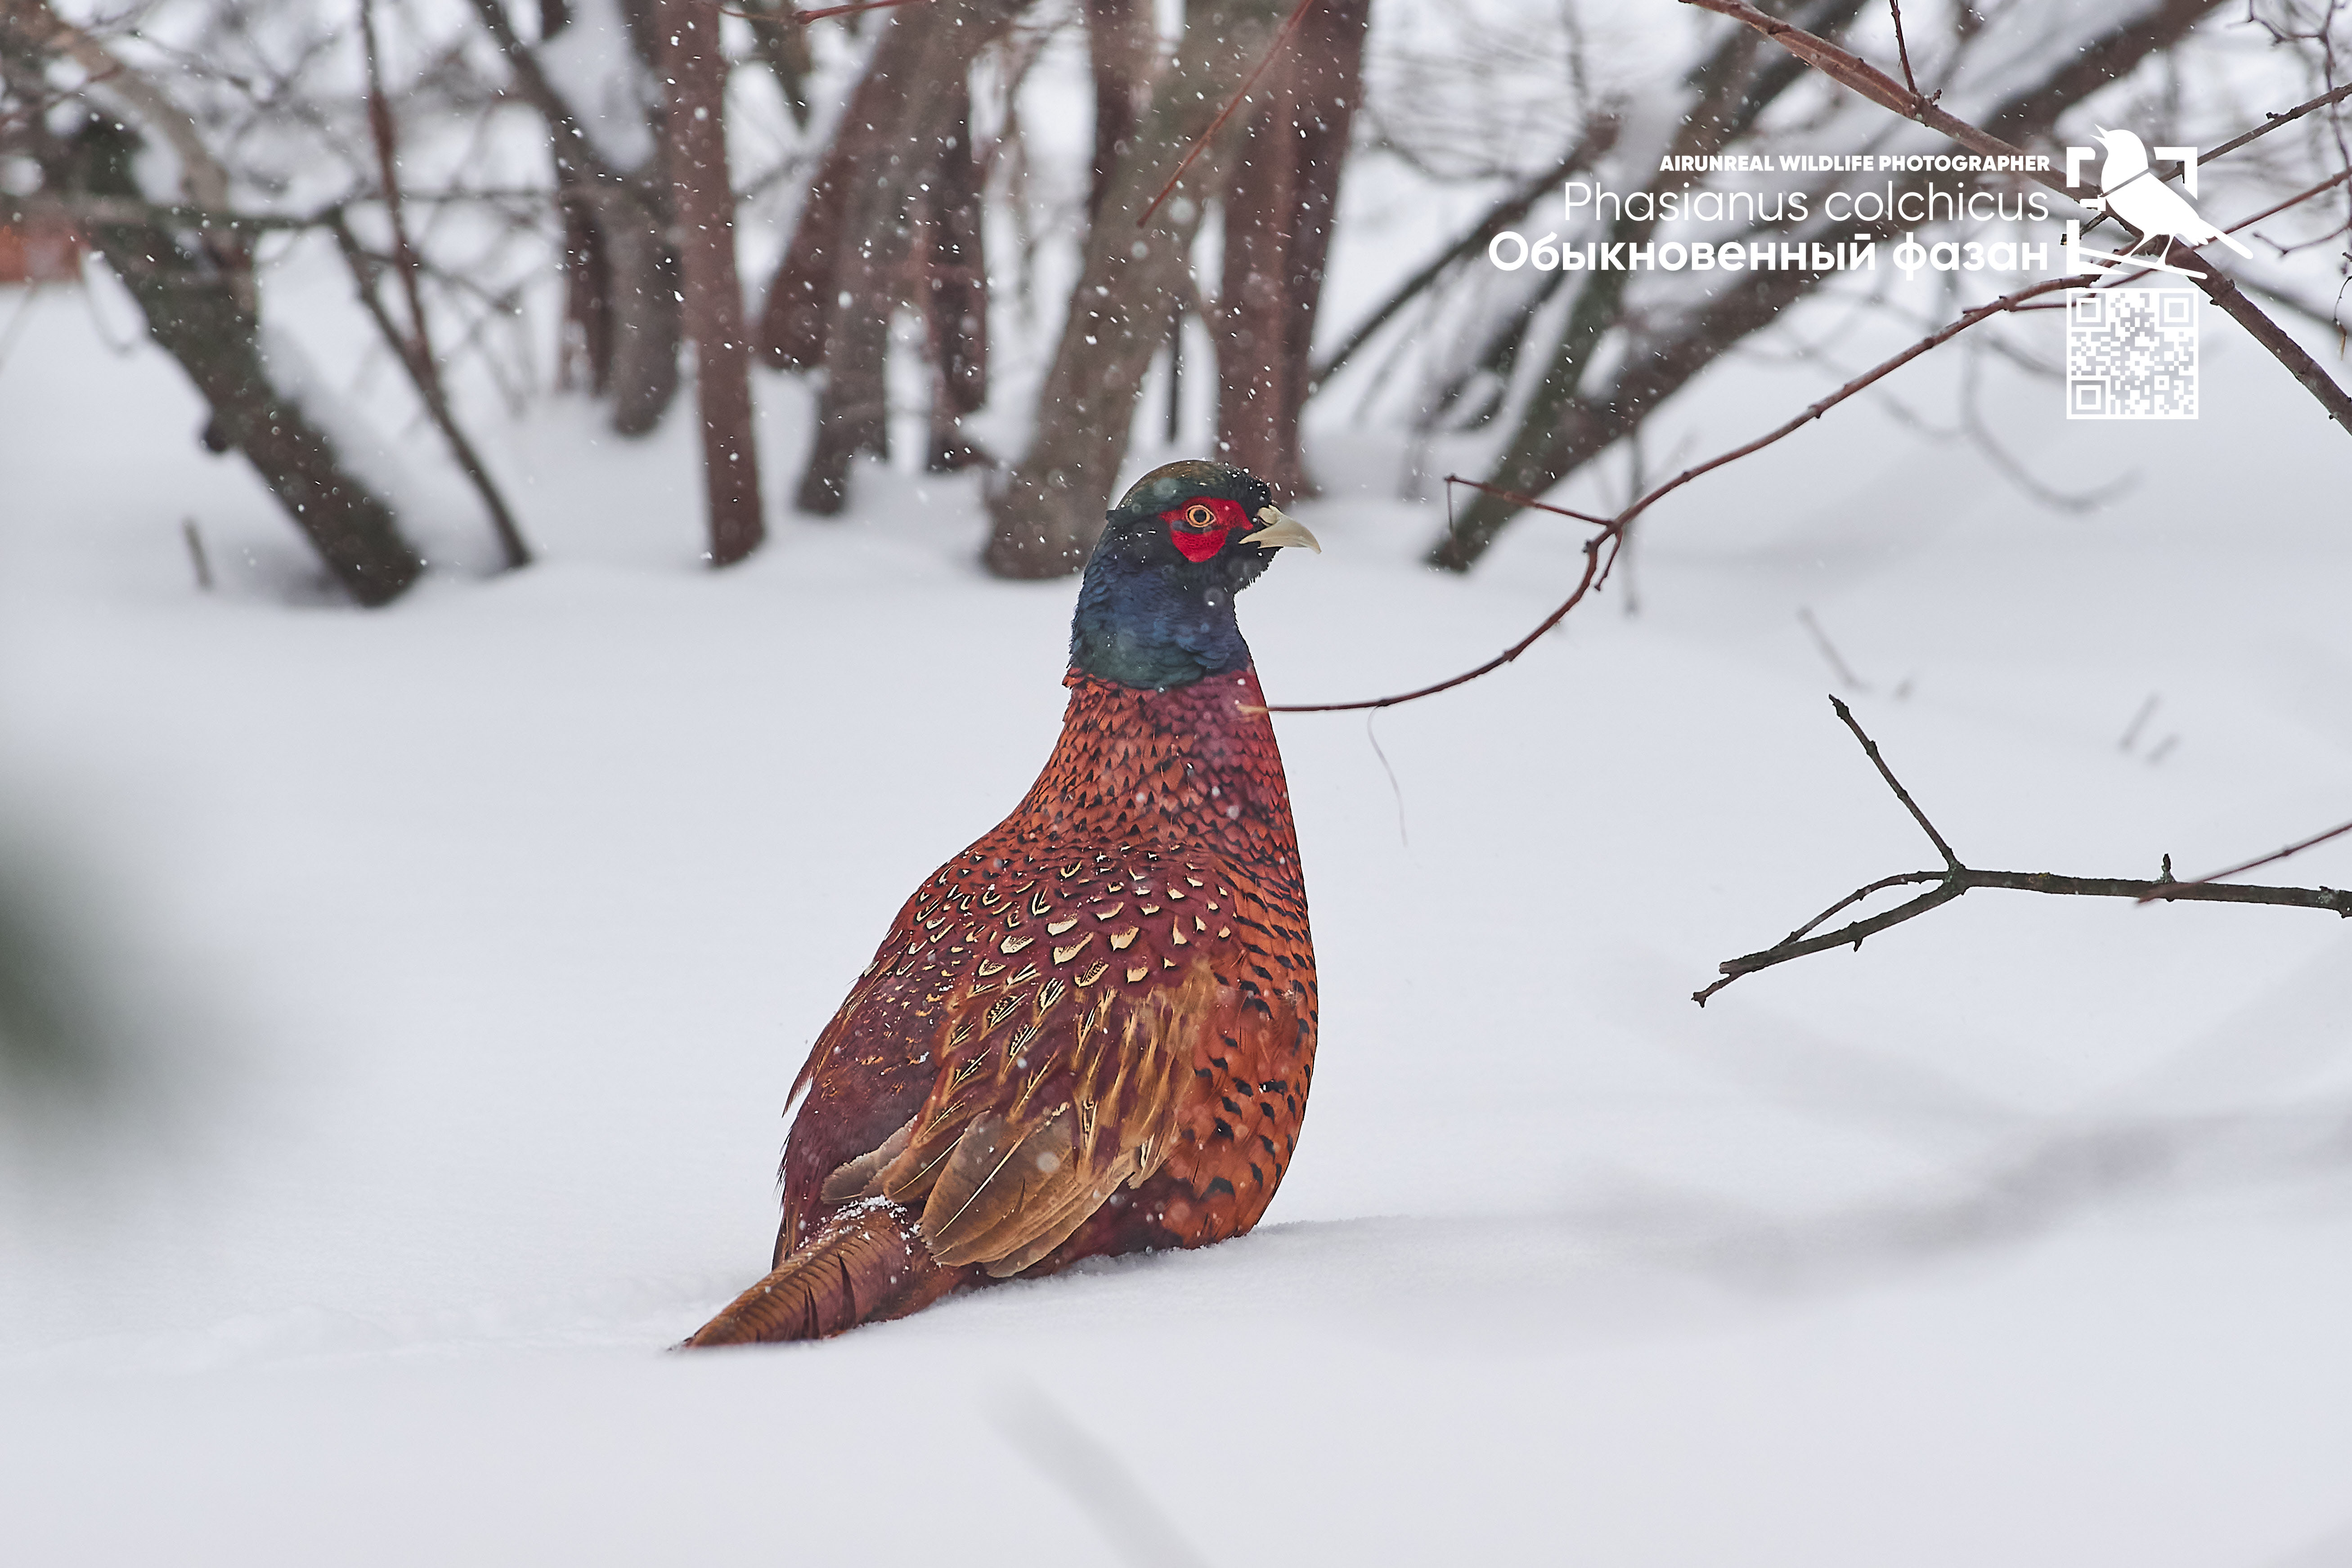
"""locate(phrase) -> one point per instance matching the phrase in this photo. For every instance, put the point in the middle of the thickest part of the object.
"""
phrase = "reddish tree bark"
(1123, 49)
(1048, 511)
(1278, 210)
(621, 273)
(586, 355)
(952, 283)
(196, 291)
(800, 297)
(912, 107)
(695, 145)
(207, 319)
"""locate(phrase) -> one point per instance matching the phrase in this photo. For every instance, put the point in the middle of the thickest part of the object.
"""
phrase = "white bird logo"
(2129, 189)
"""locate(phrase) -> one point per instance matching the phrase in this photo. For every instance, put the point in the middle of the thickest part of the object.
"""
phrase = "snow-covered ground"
(473, 944)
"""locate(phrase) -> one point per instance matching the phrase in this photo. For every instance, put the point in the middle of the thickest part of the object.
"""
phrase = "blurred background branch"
(1544, 370)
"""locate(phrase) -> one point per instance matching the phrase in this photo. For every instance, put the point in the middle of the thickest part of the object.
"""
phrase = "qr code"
(2131, 353)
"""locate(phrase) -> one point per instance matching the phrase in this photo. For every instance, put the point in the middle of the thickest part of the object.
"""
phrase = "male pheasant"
(1093, 1032)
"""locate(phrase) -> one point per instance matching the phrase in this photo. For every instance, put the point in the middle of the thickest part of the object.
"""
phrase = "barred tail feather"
(867, 1265)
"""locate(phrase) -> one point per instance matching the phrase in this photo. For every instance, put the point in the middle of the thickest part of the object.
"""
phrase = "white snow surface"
(474, 942)
(592, 64)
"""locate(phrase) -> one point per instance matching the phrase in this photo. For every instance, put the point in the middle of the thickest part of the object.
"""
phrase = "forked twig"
(1956, 879)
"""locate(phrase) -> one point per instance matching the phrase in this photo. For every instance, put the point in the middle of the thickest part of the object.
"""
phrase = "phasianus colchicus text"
(1093, 1032)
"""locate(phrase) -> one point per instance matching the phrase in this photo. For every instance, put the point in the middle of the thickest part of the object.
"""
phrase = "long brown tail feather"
(867, 1265)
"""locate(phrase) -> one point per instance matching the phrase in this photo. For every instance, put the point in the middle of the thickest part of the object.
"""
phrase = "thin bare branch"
(1850, 69)
(1902, 49)
(83, 209)
(1519, 500)
(2272, 122)
(1273, 52)
(1600, 555)
(1956, 879)
(2298, 200)
(1600, 551)
(1900, 879)
(1829, 650)
(1870, 749)
(363, 267)
(2178, 889)
(1859, 75)
(415, 348)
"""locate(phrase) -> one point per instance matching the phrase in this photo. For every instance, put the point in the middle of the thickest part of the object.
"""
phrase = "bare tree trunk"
(852, 297)
(199, 299)
(1123, 46)
(920, 68)
(792, 325)
(783, 47)
(1251, 308)
(196, 313)
(952, 280)
(800, 297)
(704, 198)
(642, 275)
(1277, 237)
(623, 275)
(583, 351)
(1048, 512)
(586, 355)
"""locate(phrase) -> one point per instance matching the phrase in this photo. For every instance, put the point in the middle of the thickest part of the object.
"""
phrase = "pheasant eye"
(1198, 528)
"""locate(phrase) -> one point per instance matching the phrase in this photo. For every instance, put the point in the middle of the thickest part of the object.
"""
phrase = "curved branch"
(1600, 551)
(1273, 52)
(1852, 71)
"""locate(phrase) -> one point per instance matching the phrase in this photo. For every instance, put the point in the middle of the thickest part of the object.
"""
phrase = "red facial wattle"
(1200, 528)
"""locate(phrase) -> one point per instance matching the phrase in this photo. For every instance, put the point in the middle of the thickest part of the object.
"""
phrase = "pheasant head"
(1156, 609)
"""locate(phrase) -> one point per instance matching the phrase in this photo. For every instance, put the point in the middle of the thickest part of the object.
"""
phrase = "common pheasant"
(1093, 1032)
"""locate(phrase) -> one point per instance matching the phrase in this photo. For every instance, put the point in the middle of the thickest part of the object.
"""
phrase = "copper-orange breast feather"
(1093, 1032)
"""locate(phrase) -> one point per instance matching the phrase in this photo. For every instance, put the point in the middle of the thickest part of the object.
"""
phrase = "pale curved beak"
(1280, 530)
